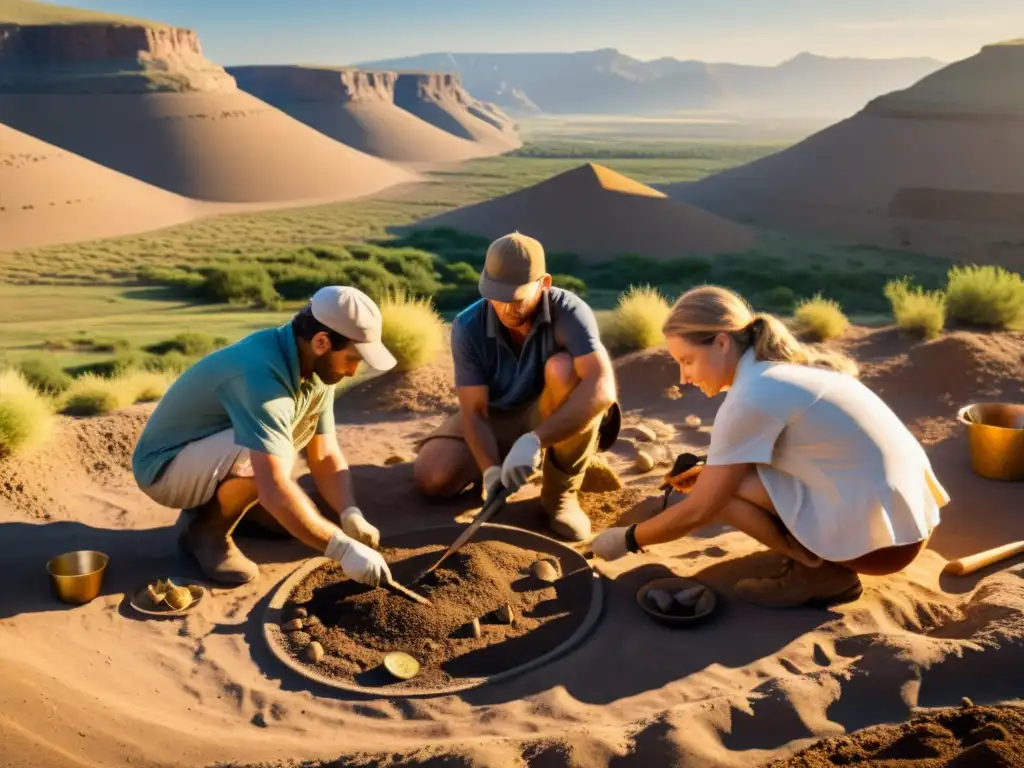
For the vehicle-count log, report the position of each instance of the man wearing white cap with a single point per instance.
(226, 434)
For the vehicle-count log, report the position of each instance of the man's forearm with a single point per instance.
(334, 481)
(588, 400)
(480, 439)
(295, 511)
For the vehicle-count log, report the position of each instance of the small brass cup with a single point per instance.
(78, 576)
(995, 437)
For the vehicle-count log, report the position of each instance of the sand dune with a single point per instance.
(916, 162)
(598, 213)
(50, 195)
(97, 684)
(227, 147)
(357, 108)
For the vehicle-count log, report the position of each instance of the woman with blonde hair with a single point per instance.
(803, 457)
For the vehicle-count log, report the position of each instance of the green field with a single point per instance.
(54, 296)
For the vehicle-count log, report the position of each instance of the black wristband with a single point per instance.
(631, 544)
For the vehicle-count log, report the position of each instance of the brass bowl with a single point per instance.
(78, 576)
(995, 438)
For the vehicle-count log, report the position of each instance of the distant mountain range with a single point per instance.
(606, 82)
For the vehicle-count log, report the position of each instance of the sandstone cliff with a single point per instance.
(296, 83)
(105, 58)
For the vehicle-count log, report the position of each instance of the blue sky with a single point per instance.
(743, 31)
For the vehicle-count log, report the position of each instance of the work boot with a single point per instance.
(559, 497)
(796, 585)
(217, 554)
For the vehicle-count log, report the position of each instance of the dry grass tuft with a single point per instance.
(413, 331)
(637, 321)
(26, 416)
(820, 319)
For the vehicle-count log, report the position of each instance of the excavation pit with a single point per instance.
(358, 626)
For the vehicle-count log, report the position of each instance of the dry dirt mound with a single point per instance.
(598, 213)
(357, 108)
(51, 195)
(426, 390)
(228, 147)
(968, 737)
(82, 453)
(955, 137)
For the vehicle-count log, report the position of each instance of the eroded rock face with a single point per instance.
(105, 58)
(446, 88)
(312, 84)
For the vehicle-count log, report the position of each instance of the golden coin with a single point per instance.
(401, 665)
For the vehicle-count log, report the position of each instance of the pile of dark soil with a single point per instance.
(966, 737)
(357, 626)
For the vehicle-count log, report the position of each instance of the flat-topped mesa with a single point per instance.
(986, 86)
(105, 58)
(305, 83)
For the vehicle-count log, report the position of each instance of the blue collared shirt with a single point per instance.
(484, 356)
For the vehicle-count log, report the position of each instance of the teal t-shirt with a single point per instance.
(252, 386)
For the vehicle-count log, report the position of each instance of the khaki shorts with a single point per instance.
(508, 426)
(192, 477)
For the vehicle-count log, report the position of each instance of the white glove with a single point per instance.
(358, 561)
(491, 476)
(522, 461)
(354, 524)
(610, 544)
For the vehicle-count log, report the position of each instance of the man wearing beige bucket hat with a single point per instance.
(535, 385)
(226, 434)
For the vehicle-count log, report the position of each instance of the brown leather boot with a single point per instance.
(798, 585)
(559, 497)
(216, 552)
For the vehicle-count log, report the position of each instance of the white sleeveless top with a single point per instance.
(845, 475)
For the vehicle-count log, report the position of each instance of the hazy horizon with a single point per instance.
(735, 31)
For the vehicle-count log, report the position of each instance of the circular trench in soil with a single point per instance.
(552, 619)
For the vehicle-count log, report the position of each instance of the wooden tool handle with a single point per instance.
(972, 563)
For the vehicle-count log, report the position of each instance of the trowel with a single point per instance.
(495, 501)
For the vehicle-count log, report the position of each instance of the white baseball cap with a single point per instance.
(355, 316)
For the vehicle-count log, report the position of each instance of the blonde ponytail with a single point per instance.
(705, 311)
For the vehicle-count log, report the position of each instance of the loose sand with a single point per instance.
(357, 626)
(51, 195)
(226, 147)
(99, 685)
(598, 213)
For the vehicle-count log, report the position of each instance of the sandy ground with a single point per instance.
(98, 685)
(598, 213)
(221, 147)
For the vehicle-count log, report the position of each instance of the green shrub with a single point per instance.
(246, 284)
(570, 283)
(821, 319)
(918, 312)
(26, 416)
(189, 343)
(460, 273)
(146, 386)
(781, 299)
(45, 374)
(988, 296)
(413, 332)
(90, 395)
(636, 322)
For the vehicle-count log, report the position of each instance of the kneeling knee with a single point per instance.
(559, 371)
(432, 480)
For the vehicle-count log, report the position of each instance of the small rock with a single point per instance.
(314, 652)
(693, 421)
(660, 599)
(688, 597)
(301, 613)
(544, 570)
(396, 459)
(644, 461)
(639, 432)
(259, 720)
(703, 604)
(291, 626)
(503, 615)
(966, 702)
(474, 628)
